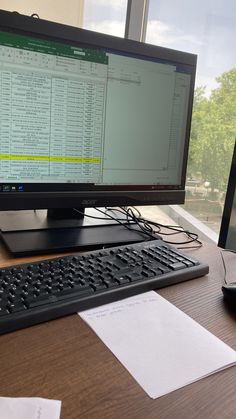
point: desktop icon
(6, 188)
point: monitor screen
(89, 119)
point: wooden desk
(63, 359)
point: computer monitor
(227, 236)
(88, 120)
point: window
(207, 28)
(107, 16)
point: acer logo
(89, 201)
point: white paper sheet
(162, 347)
(29, 408)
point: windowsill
(189, 222)
(176, 215)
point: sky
(204, 27)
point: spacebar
(53, 298)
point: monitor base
(30, 233)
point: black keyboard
(36, 292)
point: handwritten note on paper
(162, 347)
(29, 408)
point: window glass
(208, 29)
(107, 16)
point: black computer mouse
(229, 291)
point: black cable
(117, 220)
(88, 215)
(228, 250)
(124, 224)
(133, 217)
(103, 212)
(141, 222)
(192, 237)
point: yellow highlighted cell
(61, 159)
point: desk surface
(64, 359)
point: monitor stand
(32, 232)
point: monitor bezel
(227, 227)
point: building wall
(55, 10)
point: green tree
(214, 131)
(198, 119)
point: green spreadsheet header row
(52, 48)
